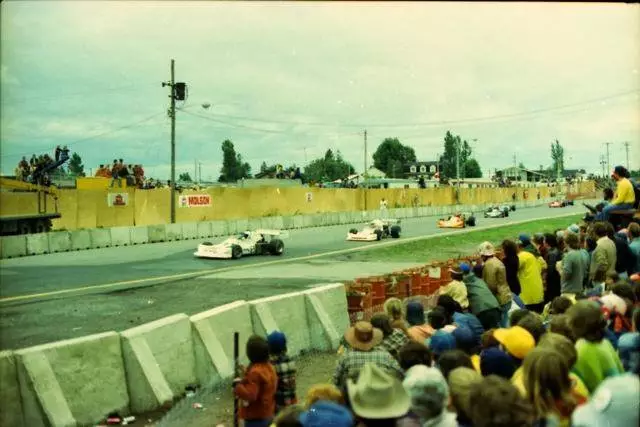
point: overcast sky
(287, 81)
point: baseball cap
(464, 267)
(325, 413)
(524, 239)
(613, 404)
(516, 340)
(277, 342)
(486, 249)
(494, 361)
(428, 387)
(574, 228)
(440, 342)
(464, 338)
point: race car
(458, 221)
(561, 203)
(497, 212)
(377, 229)
(258, 242)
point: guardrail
(84, 239)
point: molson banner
(194, 201)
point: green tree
(472, 169)
(233, 167)
(328, 168)
(76, 168)
(448, 161)
(521, 165)
(557, 158)
(391, 157)
(263, 167)
(184, 177)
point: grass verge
(446, 247)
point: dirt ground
(217, 402)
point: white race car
(258, 242)
(497, 212)
(376, 230)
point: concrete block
(173, 232)
(204, 229)
(327, 316)
(37, 244)
(213, 340)
(298, 221)
(189, 230)
(159, 361)
(334, 218)
(254, 223)
(80, 239)
(230, 226)
(277, 222)
(120, 236)
(139, 235)
(157, 233)
(100, 237)
(59, 241)
(287, 222)
(242, 224)
(286, 313)
(10, 402)
(72, 382)
(13, 246)
(345, 218)
(222, 228)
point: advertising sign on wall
(309, 197)
(117, 199)
(194, 201)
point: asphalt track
(100, 270)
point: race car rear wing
(283, 234)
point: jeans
(606, 212)
(257, 423)
(504, 320)
(113, 180)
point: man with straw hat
(363, 340)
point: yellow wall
(87, 208)
(97, 183)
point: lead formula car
(457, 221)
(377, 229)
(258, 242)
(561, 203)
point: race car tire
(506, 213)
(513, 208)
(207, 243)
(276, 247)
(395, 231)
(353, 231)
(236, 252)
(471, 221)
(378, 234)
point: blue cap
(524, 239)
(465, 267)
(440, 342)
(415, 313)
(277, 342)
(464, 338)
(325, 413)
(494, 361)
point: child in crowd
(256, 385)
(394, 309)
(285, 369)
(324, 392)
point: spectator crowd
(541, 333)
(36, 170)
(133, 175)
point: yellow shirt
(458, 291)
(475, 361)
(624, 192)
(578, 386)
(530, 277)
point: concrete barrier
(327, 316)
(222, 228)
(80, 239)
(10, 402)
(254, 223)
(298, 221)
(173, 232)
(230, 226)
(121, 236)
(157, 233)
(278, 222)
(37, 244)
(139, 235)
(241, 225)
(204, 229)
(72, 382)
(189, 230)
(100, 237)
(159, 361)
(287, 222)
(59, 241)
(213, 340)
(13, 246)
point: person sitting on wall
(624, 195)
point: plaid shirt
(352, 361)
(394, 342)
(286, 391)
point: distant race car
(497, 212)
(561, 203)
(258, 242)
(458, 221)
(377, 229)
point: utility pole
(172, 115)
(458, 161)
(199, 172)
(626, 147)
(364, 174)
(603, 163)
(608, 164)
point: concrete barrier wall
(79, 381)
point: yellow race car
(458, 220)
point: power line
(6, 99)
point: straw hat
(363, 336)
(377, 395)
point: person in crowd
(614, 403)
(285, 369)
(456, 289)
(634, 245)
(530, 277)
(452, 359)
(326, 392)
(625, 258)
(494, 274)
(392, 339)
(624, 195)
(440, 342)
(459, 318)
(437, 319)
(115, 174)
(573, 268)
(363, 340)
(418, 330)
(488, 340)
(466, 342)
(597, 358)
(527, 246)
(552, 257)
(288, 417)
(393, 308)
(603, 257)
(517, 315)
(548, 386)
(511, 264)
(256, 385)
(566, 348)
(429, 393)
(414, 353)
(494, 402)
(482, 303)
(629, 346)
(517, 342)
(494, 361)
(326, 413)
(377, 398)
(461, 381)
(560, 325)
(532, 322)
(538, 244)
(559, 305)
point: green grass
(446, 247)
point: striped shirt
(352, 361)
(286, 389)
